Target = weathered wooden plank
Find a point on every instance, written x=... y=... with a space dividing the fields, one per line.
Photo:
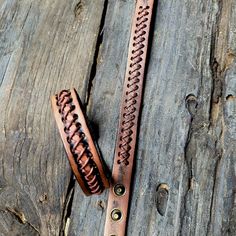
x=187 y=130
x=187 y=127
x=88 y=214
x=45 y=46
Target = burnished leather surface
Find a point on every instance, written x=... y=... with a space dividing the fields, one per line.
x=117 y=208
x=80 y=148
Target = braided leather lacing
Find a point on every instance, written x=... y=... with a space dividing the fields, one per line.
x=128 y=115
x=78 y=144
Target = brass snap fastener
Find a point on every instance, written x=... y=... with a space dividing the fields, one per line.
x=116 y=214
x=119 y=189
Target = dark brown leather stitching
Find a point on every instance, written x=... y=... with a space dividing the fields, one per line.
x=135 y=66
x=78 y=144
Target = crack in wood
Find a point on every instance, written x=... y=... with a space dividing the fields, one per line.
x=67 y=208
x=20 y=216
x=219 y=63
x=218 y=159
x=95 y=58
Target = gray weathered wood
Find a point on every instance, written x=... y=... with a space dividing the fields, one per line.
x=188 y=122
x=45 y=46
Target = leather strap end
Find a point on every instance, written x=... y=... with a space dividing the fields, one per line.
x=119 y=194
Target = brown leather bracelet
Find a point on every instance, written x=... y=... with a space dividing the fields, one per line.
x=119 y=193
x=80 y=148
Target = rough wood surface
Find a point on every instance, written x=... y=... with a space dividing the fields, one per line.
x=188 y=125
x=45 y=47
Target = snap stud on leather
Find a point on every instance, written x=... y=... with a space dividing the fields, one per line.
x=116 y=214
x=119 y=189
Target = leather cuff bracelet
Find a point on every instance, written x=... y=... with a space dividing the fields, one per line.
x=80 y=148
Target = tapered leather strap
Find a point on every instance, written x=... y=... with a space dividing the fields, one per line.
x=79 y=145
x=119 y=193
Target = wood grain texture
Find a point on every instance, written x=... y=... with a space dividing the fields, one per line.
x=45 y=46
x=188 y=124
x=187 y=127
